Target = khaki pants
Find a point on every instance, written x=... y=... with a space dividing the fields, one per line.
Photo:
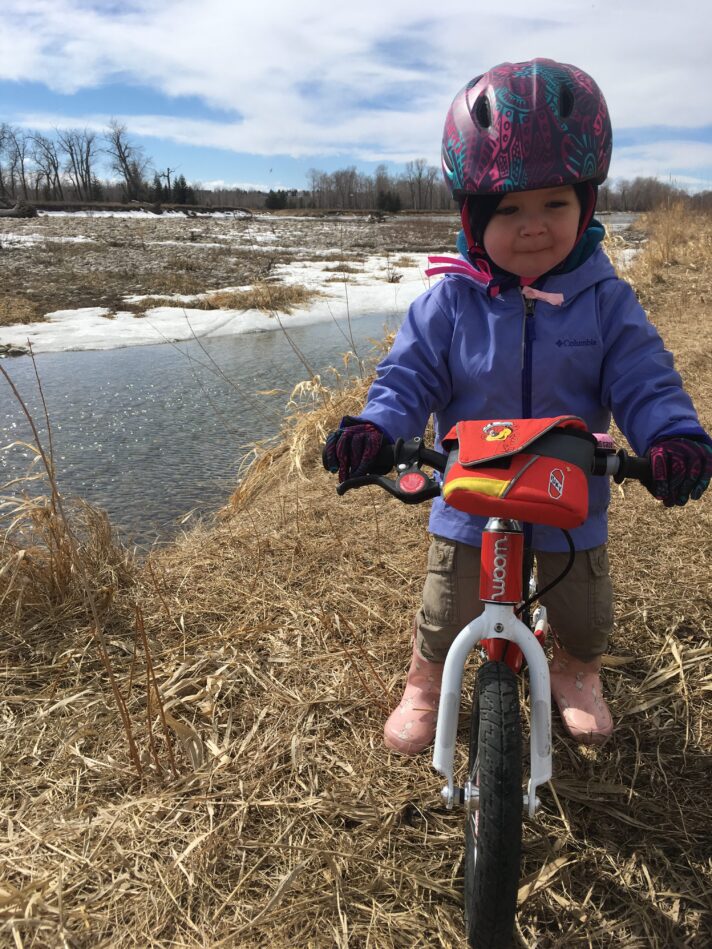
x=580 y=608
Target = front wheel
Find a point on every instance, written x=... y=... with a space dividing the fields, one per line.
x=493 y=827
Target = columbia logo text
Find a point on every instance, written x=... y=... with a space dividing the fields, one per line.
x=575 y=342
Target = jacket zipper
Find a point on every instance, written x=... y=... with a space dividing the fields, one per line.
x=529 y=336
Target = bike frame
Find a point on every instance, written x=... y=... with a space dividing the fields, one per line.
x=500 y=591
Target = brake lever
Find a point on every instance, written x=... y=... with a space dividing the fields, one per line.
x=411 y=486
x=350 y=483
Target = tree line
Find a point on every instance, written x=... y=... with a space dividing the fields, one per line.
x=418 y=188
x=64 y=168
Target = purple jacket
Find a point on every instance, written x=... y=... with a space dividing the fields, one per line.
x=461 y=354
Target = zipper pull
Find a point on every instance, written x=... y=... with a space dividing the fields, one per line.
x=529 y=322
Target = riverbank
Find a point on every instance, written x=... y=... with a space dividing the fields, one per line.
x=71 y=282
x=110 y=280
x=192 y=749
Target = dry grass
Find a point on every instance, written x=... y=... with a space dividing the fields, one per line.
x=256 y=659
x=268 y=297
x=18 y=309
x=163 y=255
x=170 y=282
x=344 y=267
x=676 y=236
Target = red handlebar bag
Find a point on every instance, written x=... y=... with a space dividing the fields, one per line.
x=525 y=469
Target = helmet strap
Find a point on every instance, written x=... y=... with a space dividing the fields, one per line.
x=587 y=193
x=465 y=218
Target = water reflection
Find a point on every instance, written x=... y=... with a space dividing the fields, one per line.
x=150 y=433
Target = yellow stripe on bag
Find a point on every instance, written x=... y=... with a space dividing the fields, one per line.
x=487 y=486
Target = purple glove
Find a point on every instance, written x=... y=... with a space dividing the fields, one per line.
x=681 y=470
x=352 y=448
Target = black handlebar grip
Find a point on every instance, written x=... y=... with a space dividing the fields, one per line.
x=434 y=459
x=632 y=466
x=384 y=460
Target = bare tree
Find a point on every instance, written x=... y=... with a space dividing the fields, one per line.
x=166 y=175
x=48 y=166
x=381 y=180
x=702 y=201
x=322 y=188
x=345 y=181
x=79 y=147
x=17 y=147
x=421 y=178
x=127 y=160
x=415 y=178
x=3 y=143
x=649 y=193
x=432 y=175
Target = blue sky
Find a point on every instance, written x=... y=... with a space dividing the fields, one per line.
x=250 y=94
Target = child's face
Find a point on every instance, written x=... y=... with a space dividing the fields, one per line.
x=533 y=231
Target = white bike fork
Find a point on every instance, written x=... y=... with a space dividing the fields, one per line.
x=496 y=622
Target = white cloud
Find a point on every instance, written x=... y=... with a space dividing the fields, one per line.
x=342 y=136
x=296 y=74
x=691 y=161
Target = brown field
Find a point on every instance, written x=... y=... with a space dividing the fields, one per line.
x=191 y=748
x=59 y=262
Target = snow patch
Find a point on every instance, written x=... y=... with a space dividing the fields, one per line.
x=147 y=214
x=10 y=240
x=364 y=293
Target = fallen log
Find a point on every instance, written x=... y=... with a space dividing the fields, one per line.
x=21 y=209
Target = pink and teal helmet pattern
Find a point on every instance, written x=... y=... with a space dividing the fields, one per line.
x=522 y=126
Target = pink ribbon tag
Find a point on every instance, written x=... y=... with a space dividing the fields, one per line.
x=456 y=265
x=555 y=299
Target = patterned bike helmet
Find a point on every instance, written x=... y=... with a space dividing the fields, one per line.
x=522 y=126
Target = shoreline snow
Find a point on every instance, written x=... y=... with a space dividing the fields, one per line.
x=367 y=293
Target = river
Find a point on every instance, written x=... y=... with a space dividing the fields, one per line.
x=154 y=435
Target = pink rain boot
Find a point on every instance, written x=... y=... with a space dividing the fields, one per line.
x=410 y=728
x=576 y=689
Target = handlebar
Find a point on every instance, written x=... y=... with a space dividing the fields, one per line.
x=413 y=486
x=631 y=467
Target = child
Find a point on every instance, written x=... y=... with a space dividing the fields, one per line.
x=532 y=323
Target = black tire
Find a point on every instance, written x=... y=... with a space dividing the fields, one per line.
x=493 y=834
